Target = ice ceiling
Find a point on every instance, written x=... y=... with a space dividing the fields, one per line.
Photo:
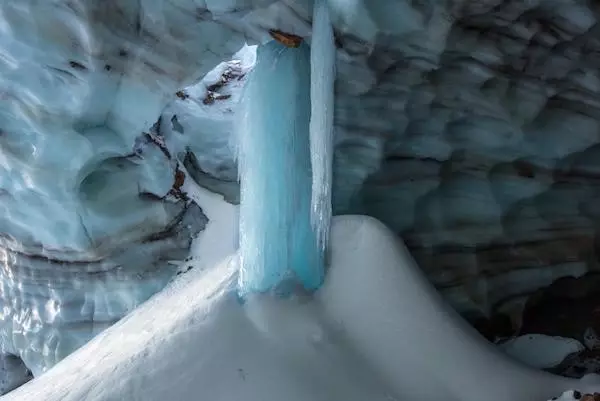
x=468 y=127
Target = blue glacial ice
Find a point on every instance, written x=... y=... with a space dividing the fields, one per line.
x=322 y=61
x=277 y=241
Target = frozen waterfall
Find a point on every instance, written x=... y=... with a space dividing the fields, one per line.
x=286 y=133
x=277 y=242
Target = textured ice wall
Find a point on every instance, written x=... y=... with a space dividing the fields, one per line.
x=471 y=129
x=89 y=211
x=199 y=123
x=51 y=307
x=277 y=241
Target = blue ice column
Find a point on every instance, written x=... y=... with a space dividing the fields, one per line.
x=322 y=60
x=277 y=242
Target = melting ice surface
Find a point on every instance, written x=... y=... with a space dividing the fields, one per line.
x=277 y=242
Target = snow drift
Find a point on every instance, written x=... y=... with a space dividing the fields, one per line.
x=376 y=331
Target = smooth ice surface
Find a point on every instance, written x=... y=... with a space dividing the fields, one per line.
x=376 y=331
x=322 y=79
x=277 y=242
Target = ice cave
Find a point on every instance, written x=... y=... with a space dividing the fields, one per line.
x=300 y=200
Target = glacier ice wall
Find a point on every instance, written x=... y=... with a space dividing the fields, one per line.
x=52 y=307
x=198 y=124
x=90 y=214
x=471 y=129
x=277 y=241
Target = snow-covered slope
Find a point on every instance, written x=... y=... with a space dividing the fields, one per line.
x=376 y=331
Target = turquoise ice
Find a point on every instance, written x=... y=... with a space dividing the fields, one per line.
x=277 y=241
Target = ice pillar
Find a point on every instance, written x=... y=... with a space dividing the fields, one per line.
x=277 y=242
x=322 y=61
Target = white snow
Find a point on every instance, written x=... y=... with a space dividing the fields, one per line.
x=220 y=236
x=568 y=396
x=376 y=331
x=541 y=351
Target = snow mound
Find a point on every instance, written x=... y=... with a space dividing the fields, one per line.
x=541 y=351
x=376 y=331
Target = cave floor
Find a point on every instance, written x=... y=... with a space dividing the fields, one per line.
x=568 y=308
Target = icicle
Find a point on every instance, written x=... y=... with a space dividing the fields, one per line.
x=321 y=121
x=277 y=241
